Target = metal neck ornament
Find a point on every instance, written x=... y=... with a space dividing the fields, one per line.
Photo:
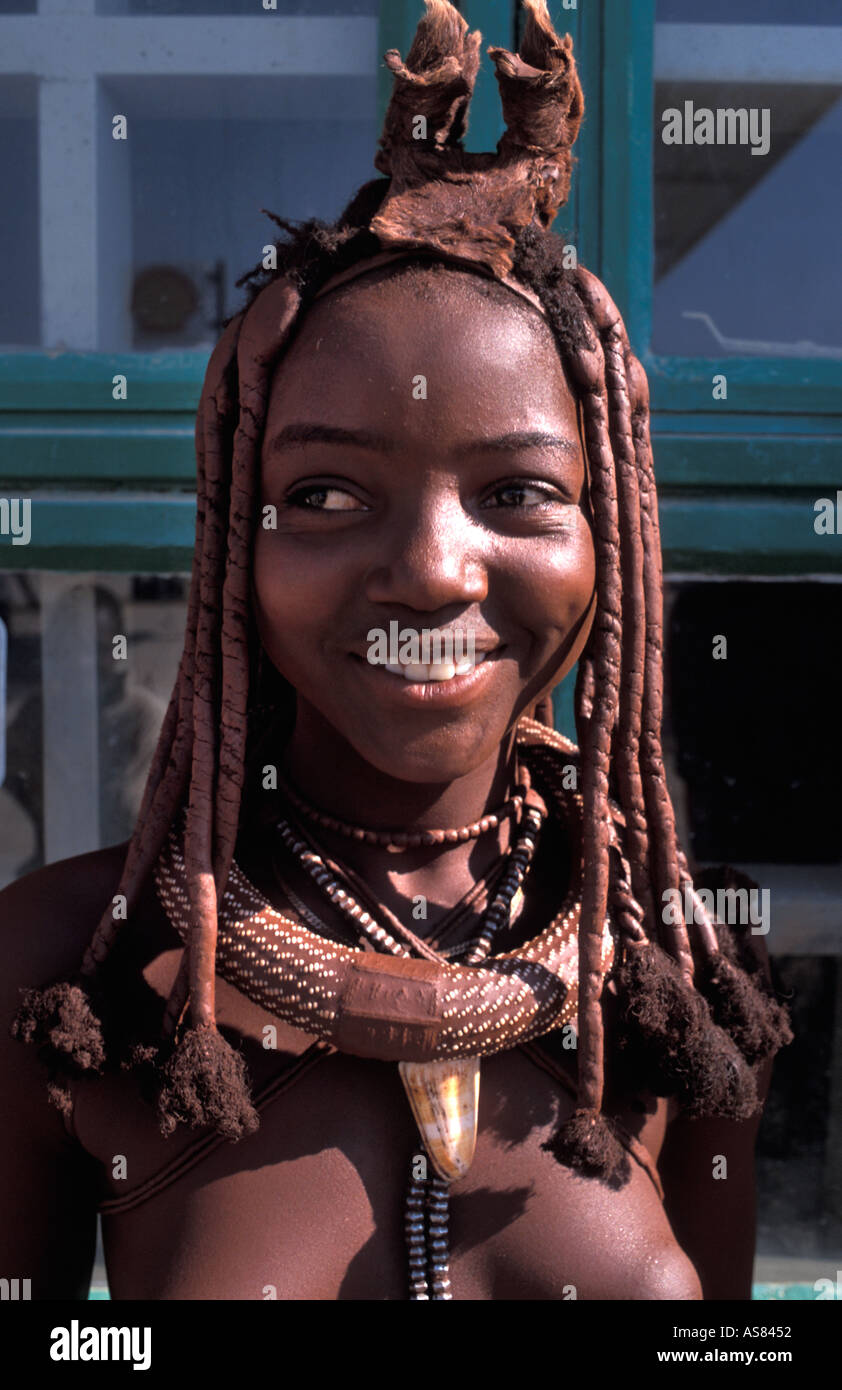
x=404 y=1001
x=443 y=1096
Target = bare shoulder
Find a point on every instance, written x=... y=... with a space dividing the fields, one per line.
x=48 y=917
x=48 y=1183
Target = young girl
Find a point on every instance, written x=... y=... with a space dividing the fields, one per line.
x=378 y=922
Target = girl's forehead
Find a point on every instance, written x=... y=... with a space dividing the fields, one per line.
x=445 y=315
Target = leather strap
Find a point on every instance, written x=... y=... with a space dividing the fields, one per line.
x=206 y=1143
x=638 y=1151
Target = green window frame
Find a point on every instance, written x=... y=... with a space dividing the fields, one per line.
x=738 y=479
x=111 y=481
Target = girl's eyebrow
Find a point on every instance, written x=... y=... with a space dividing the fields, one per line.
x=519 y=439
x=305 y=432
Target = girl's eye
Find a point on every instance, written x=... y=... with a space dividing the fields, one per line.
x=516 y=495
x=319 y=497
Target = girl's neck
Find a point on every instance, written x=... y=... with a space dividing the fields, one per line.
x=330 y=774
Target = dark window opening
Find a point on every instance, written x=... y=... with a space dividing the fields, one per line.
x=756 y=731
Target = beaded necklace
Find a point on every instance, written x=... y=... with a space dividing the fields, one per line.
x=404 y=1001
x=402 y=839
x=443 y=1097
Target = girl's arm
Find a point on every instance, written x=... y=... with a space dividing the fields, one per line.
x=48 y=1184
x=707 y=1169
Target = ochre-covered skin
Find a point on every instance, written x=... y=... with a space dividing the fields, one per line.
x=310 y=1205
x=312 y=1202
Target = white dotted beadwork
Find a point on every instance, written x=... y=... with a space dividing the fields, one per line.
x=300 y=976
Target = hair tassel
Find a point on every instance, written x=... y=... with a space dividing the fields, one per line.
x=588 y=1141
x=756 y=1021
x=61 y=1020
x=675 y=1046
x=203 y=1082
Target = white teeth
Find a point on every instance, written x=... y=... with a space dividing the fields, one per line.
x=435 y=671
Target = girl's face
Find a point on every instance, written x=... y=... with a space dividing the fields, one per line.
x=423 y=459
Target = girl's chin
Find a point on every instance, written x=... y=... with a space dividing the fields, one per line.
x=437 y=755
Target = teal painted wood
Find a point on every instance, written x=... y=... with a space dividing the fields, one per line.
x=777 y=386
x=148 y=534
x=84 y=380
x=397 y=25
x=781 y=461
x=96 y=449
x=582 y=217
x=496 y=21
x=626 y=205
x=564 y=716
x=60 y=424
x=153 y=532
x=748 y=425
x=724 y=535
x=92 y=450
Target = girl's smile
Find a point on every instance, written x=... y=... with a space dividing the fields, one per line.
x=423 y=468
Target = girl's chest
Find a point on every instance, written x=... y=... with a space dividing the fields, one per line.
x=311 y=1206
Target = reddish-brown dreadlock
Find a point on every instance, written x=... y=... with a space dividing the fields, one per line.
x=694 y=1017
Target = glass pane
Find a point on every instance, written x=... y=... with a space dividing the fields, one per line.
x=205 y=156
x=138 y=197
x=82 y=720
x=755 y=774
x=799 y=1215
x=747 y=136
x=246 y=8
x=19 y=239
x=751 y=724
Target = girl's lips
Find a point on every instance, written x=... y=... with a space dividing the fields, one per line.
x=398 y=690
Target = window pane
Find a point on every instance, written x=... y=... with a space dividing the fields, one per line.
x=83 y=710
x=142 y=149
x=755 y=687
x=746 y=260
x=19 y=239
x=205 y=156
x=247 y=8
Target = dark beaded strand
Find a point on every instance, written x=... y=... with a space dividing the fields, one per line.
x=438 y=1217
x=416 y=1243
x=426 y=1226
x=402 y=839
x=498 y=913
x=427 y=1208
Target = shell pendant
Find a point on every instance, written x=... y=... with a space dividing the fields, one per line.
x=444 y=1097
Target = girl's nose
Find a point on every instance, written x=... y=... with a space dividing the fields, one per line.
x=431 y=561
